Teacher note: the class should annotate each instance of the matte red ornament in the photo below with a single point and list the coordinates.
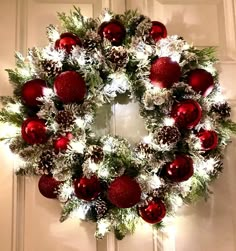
(70, 87)
(113, 30)
(67, 41)
(87, 188)
(48, 186)
(158, 31)
(164, 72)
(180, 169)
(34, 131)
(61, 144)
(124, 192)
(32, 90)
(208, 139)
(187, 113)
(153, 212)
(201, 81)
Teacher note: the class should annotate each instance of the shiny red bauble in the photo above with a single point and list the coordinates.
(124, 192)
(87, 188)
(32, 90)
(61, 144)
(153, 212)
(208, 139)
(187, 113)
(67, 41)
(180, 169)
(164, 72)
(113, 30)
(48, 186)
(34, 131)
(201, 81)
(70, 87)
(158, 31)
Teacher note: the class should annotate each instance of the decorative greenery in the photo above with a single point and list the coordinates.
(110, 71)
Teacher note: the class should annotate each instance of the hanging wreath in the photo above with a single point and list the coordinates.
(58, 91)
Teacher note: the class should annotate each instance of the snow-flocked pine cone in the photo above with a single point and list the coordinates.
(95, 153)
(167, 135)
(45, 163)
(223, 109)
(118, 56)
(143, 148)
(65, 119)
(91, 41)
(100, 207)
(51, 68)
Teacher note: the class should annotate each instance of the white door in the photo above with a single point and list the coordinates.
(30, 223)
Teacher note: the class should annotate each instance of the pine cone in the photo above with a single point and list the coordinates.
(51, 68)
(100, 207)
(95, 153)
(168, 135)
(143, 148)
(45, 163)
(92, 41)
(118, 56)
(223, 110)
(161, 191)
(65, 119)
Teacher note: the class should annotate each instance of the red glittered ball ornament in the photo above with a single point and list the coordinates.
(186, 113)
(32, 90)
(164, 72)
(201, 81)
(61, 144)
(113, 30)
(70, 87)
(48, 186)
(87, 188)
(158, 31)
(208, 139)
(180, 169)
(153, 212)
(124, 192)
(34, 131)
(67, 41)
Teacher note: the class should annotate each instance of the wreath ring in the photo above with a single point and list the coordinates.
(58, 90)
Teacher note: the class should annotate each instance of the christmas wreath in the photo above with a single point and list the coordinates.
(58, 91)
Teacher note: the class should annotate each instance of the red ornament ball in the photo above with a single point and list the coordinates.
(201, 81)
(32, 90)
(164, 72)
(180, 169)
(34, 131)
(70, 87)
(158, 31)
(153, 212)
(61, 144)
(208, 139)
(186, 113)
(113, 30)
(124, 192)
(87, 188)
(67, 41)
(48, 186)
